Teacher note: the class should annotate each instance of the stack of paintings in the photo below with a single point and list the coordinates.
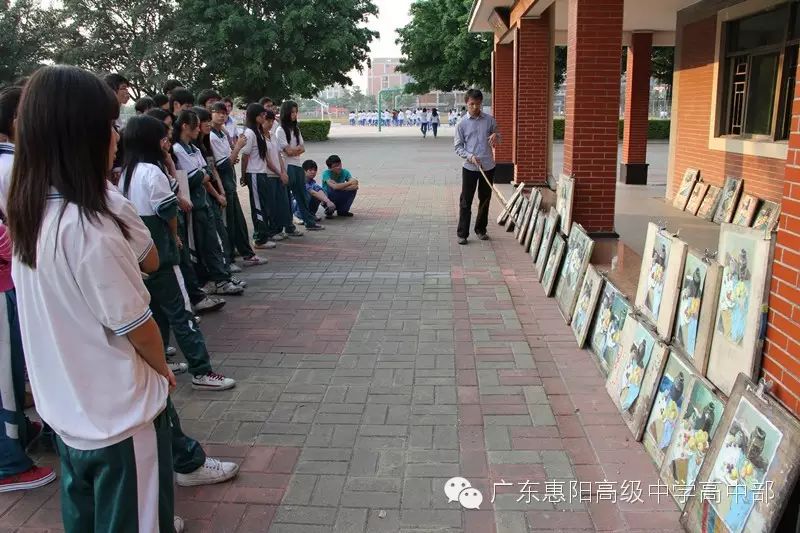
(579, 251)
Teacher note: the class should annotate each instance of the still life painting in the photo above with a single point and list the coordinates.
(685, 190)
(536, 240)
(734, 297)
(686, 323)
(587, 302)
(698, 193)
(550, 228)
(729, 197)
(553, 264)
(746, 210)
(709, 204)
(767, 216)
(579, 251)
(630, 383)
(670, 396)
(606, 333)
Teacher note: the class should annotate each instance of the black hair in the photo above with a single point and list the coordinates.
(142, 140)
(332, 160)
(9, 102)
(115, 81)
(158, 113)
(160, 99)
(204, 141)
(181, 96)
(251, 114)
(228, 100)
(219, 107)
(289, 126)
(61, 146)
(435, 112)
(424, 109)
(207, 94)
(171, 85)
(144, 104)
(474, 94)
(186, 116)
(266, 99)
(309, 164)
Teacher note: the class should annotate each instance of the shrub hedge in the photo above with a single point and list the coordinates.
(315, 130)
(658, 129)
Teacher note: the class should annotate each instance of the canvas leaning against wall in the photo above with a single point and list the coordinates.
(553, 264)
(503, 216)
(536, 239)
(606, 333)
(696, 199)
(587, 302)
(550, 229)
(565, 192)
(729, 199)
(685, 190)
(579, 251)
(710, 203)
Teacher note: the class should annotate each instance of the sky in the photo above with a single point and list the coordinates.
(392, 14)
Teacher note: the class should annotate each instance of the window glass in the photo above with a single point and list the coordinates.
(761, 94)
(764, 29)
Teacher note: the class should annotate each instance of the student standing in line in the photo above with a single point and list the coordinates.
(236, 224)
(435, 121)
(290, 142)
(17, 471)
(278, 202)
(231, 128)
(475, 137)
(143, 105)
(180, 100)
(170, 85)
(161, 101)
(93, 351)
(207, 98)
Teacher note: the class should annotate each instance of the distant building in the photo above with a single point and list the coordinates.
(332, 92)
(382, 74)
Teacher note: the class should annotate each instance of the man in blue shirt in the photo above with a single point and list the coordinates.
(340, 186)
(475, 137)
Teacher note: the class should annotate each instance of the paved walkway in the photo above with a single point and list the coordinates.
(378, 359)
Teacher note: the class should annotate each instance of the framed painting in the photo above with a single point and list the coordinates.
(767, 217)
(504, 214)
(586, 304)
(673, 389)
(605, 338)
(709, 204)
(519, 223)
(565, 193)
(550, 229)
(685, 190)
(729, 198)
(516, 214)
(536, 238)
(579, 251)
(697, 425)
(751, 468)
(533, 205)
(553, 264)
(633, 380)
(697, 307)
(746, 210)
(745, 255)
(698, 193)
(659, 278)
(534, 214)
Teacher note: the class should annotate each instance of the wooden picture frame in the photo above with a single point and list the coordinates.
(565, 193)
(685, 190)
(526, 243)
(533, 205)
(696, 199)
(767, 217)
(503, 216)
(538, 231)
(710, 203)
(553, 264)
(588, 297)
(550, 229)
(697, 308)
(579, 250)
(729, 199)
(632, 382)
(660, 277)
(752, 466)
(605, 337)
(516, 213)
(746, 258)
(746, 210)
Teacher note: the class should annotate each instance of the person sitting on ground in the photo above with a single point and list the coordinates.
(340, 186)
(317, 194)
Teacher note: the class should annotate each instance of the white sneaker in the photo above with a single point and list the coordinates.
(178, 524)
(238, 282)
(279, 237)
(297, 221)
(212, 381)
(296, 233)
(254, 261)
(269, 245)
(223, 287)
(177, 368)
(234, 268)
(208, 304)
(212, 471)
(169, 351)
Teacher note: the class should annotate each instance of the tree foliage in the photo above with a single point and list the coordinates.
(30, 36)
(439, 52)
(662, 63)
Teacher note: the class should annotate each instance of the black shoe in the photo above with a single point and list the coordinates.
(346, 214)
(483, 236)
(462, 240)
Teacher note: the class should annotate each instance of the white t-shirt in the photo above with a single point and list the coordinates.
(280, 138)
(75, 310)
(219, 146)
(190, 162)
(150, 189)
(274, 154)
(255, 163)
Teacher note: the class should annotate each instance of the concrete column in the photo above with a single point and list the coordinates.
(592, 123)
(503, 109)
(533, 112)
(633, 169)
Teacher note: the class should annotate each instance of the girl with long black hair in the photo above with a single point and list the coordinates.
(290, 142)
(94, 353)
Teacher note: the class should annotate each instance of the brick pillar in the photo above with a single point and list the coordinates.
(592, 125)
(633, 168)
(781, 361)
(503, 109)
(533, 112)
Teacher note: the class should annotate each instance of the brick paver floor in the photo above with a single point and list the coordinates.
(377, 359)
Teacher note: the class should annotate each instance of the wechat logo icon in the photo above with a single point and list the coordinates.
(459, 489)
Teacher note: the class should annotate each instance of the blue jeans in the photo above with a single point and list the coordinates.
(13, 434)
(342, 199)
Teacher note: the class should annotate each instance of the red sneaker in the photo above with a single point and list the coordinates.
(37, 476)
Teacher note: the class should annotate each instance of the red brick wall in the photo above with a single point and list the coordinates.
(637, 99)
(594, 46)
(782, 349)
(763, 176)
(533, 110)
(503, 99)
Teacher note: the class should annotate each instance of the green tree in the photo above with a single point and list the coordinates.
(662, 63)
(278, 47)
(30, 36)
(438, 50)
